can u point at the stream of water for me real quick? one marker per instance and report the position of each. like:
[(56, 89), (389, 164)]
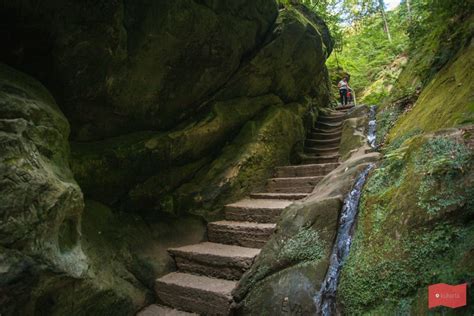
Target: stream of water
[(325, 300), (371, 133)]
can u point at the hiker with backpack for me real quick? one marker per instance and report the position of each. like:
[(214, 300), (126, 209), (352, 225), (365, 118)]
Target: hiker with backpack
[(343, 86)]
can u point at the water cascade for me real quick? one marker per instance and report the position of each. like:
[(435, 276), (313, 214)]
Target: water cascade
[(325, 300), (371, 133)]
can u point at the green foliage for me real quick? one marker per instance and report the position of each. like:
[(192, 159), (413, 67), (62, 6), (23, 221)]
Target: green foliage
[(388, 279), (390, 172), (437, 31), (394, 146), (326, 9), (442, 162), (304, 246), (385, 121), (402, 245), (367, 56)]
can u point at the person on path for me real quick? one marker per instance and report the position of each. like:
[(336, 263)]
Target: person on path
[(343, 88)]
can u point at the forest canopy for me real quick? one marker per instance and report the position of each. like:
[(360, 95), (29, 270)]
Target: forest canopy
[(372, 44)]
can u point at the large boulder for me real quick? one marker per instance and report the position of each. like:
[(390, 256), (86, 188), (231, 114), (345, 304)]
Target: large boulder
[(50, 266), (127, 65), (40, 203), (156, 173)]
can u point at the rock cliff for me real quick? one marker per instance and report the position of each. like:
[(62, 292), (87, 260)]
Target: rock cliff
[(171, 109)]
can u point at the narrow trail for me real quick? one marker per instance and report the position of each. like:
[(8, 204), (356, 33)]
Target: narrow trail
[(209, 271)]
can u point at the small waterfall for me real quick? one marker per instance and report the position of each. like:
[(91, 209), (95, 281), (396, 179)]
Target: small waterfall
[(371, 133), (325, 300)]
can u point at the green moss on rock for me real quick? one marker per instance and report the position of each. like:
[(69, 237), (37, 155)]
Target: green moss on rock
[(407, 239), (446, 101), (245, 163), (304, 246)]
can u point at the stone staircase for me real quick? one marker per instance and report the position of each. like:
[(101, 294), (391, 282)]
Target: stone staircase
[(208, 272)]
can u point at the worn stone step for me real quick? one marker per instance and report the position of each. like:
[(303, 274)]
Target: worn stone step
[(194, 293), (214, 260), (316, 159), (256, 210), (322, 141), (332, 118), (245, 234), (327, 130), (302, 189), (324, 146), (328, 125), (279, 196), (305, 170), (158, 310), (344, 108), (292, 182), (325, 135), (322, 151)]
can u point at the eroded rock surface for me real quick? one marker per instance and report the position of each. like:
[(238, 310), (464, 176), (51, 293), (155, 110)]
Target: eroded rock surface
[(40, 203)]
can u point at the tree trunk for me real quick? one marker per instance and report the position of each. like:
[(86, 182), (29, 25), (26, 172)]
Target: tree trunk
[(385, 22), (408, 9)]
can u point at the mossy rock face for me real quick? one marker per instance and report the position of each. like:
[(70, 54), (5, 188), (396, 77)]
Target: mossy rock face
[(40, 203), (107, 170), (415, 226), (287, 63), (244, 164), (130, 65), (270, 97), (441, 44), (447, 101)]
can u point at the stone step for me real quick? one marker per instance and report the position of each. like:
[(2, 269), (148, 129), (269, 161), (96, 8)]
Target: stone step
[(292, 182), (325, 135), (305, 170), (322, 141), (245, 234), (214, 260), (303, 189), (328, 125), (279, 196), (324, 146), (327, 130), (313, 159), (322, 151), (332, 118), (194, 293), (344, 108), (158, 310), (256, 210)]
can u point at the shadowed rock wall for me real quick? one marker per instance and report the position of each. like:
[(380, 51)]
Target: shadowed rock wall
[(175, 108)]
